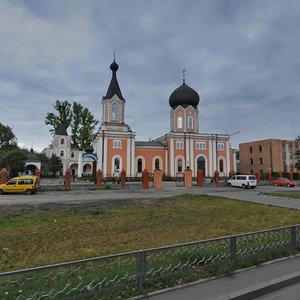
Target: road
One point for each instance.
(83, 196)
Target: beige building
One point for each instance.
(268, 155)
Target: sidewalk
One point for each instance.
(243, 285)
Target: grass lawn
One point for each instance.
(40, 238)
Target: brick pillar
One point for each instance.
(280, 174)
(217, 177)
(270, 176)
(257, 175)
(123, 179)
(199, 178)
(291, 177)
(157, 179)
(231, 173)
(188, 179)
(3, 175)
(68, 179)
(145, 179)
(99, 179)
(37, 172)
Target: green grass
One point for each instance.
(40, 238)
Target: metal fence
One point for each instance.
(127, 274)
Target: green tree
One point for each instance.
(64, 115)
(14, 161)
(7, 137)
(297, 157)
(44, 163)
(55, 164)
(76, 116)
(83, 126)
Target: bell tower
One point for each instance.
(113, 103)
(115, 140)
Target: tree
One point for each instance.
(297, 157)
(64, 115)
(7, 137)
(297, 154)
(55, 164)
(76, 116)
(44, 163)
(83, 125)
(14, 161)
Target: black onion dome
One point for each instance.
(89, 149)
(184, 96)
(114, 66)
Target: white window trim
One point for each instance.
(117, 144)
(143, 163)
(179, 122)
(200, 145)
(160, 162)
(190, 119)
(113, 164)
(179, 145)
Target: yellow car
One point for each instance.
(24, 184)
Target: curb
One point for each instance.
(244, 294)
(265, 288)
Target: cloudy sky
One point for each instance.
(242, 57)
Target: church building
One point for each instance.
(115, 147)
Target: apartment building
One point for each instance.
(273, 155)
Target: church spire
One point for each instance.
(114, 88)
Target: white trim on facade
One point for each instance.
(227, 158)
(105, 157)
(172, 156)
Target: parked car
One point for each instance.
(23, 184)
(282, 181)
(243, 181)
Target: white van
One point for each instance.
(243, 181)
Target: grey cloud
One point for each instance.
(241, 56)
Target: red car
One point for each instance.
(283, 182)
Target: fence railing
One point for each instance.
(126, 274)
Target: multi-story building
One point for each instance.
(115, 147)
(273, 155)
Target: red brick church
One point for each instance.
(115, 147)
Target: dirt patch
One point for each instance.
(95, 206)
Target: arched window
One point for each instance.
(72, 155)
(201, 164)
(61, 153)
(140, 165)
(190, 122)
(114, 111)
(200, 146)
(179, 144)
(179, 165)
(116, 164)
(221, 147)
(221, 165)
(117, 144)
(179, 122)
(157, 164)
(62, 141)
